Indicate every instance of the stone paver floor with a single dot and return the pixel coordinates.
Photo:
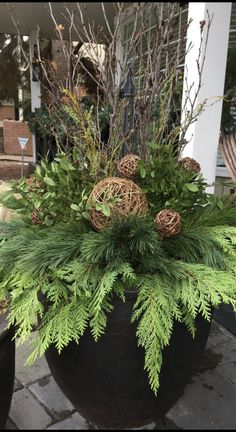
(209, 400)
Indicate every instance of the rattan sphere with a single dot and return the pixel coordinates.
(127, 166)
(168, 222)
(190, 164)
(123, 196)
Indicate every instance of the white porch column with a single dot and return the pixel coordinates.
(204, 134)
(20, 91)
(35, 86)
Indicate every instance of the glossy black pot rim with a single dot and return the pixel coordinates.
(3, 326)
(131, 294)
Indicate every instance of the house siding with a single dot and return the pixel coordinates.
(12, 129)
(7, 112)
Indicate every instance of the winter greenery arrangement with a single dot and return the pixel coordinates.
(93, 224)
(52, 247)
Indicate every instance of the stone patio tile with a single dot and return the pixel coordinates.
(17, 385)
(49, 394)
(228, 370)
(219, 334)
(10, 425)
(27, 413)
(209, 402)
(163, 423)
(225, 352)
(28, 374)
(74, 422)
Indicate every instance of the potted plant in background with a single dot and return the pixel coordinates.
(120, 252)
(7, 345)
(7, 364)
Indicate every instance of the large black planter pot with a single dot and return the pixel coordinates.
(7, 370)
(106, 381)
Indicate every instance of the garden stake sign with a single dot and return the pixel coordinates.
(22, 141)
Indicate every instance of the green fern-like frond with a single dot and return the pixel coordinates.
(62, 325)
(188, 320)
(101, 303)
(205, 287)
(155, 318)
(104, 288)
(225, 236)
(190, 296)
(98, 320)
(55, 290)
(127, 273)
(119, 290)
(25, 305)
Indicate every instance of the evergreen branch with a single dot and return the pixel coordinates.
(188, 320)
(155, 324)
(9, 200)
(195, 245)
(220, 212)
(225, 236)
(99, 303)
(25, 305)
(12, 228)
(205, 287)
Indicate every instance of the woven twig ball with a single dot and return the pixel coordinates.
(127, 166)
(168, 222)
(122, 196)
(190, 164)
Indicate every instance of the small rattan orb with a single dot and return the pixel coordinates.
(127, 166)
(122, 196)
(168, 222)
(190, 164)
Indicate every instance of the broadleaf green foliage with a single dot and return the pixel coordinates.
(168, 185)
(50, 191)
